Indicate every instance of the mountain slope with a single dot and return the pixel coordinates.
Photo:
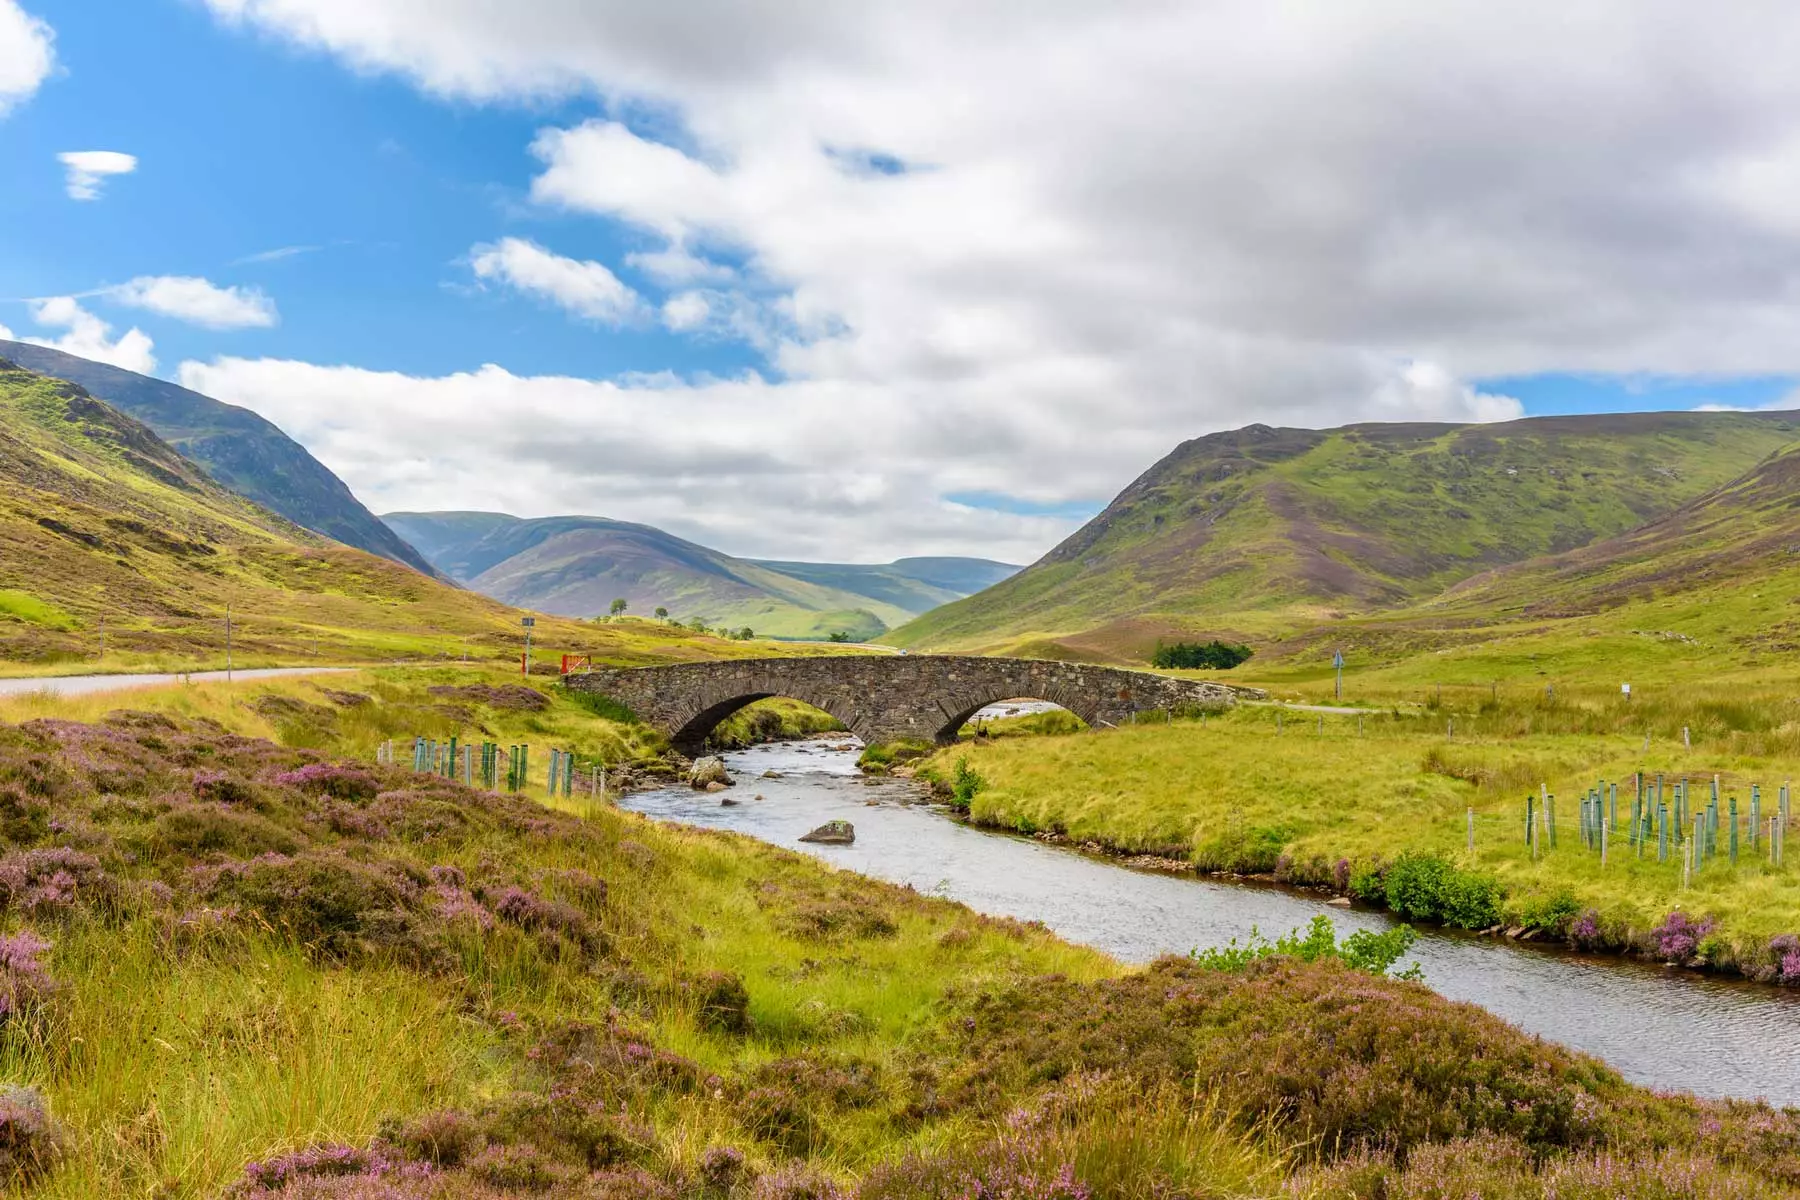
(578, 565)
(109, 537)
(241, 450)
(1261, 529)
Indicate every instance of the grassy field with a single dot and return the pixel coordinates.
(1334, 800)
(231, 964)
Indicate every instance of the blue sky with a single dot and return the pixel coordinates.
(851, 284)
(247, 146)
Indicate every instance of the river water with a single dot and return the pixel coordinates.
(1658, 1026)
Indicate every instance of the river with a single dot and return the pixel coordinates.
(1658, 1026)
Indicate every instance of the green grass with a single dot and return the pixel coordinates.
(1246, 790)
(23, 606)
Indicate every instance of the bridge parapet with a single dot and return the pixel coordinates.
(887, 698)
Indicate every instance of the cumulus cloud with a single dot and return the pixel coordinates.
(1068, 236)
(26, 56)
(88, 170)
(87, 336)
(197, 301)
(583, 287)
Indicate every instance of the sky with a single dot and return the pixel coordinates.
(803, 279)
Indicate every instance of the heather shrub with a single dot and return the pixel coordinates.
(827, 920)
(1332, 1054)
(331, 779)
(531, 912)
(204, 830)
(1678, 937)
(723, 1003)
(721, 1169)
(25, 983)
(797, 1182)
(321, 897)
(832, 1081)
(31, 1142)
(1785, 950)
(1585, 931)
(55, 881)
(780, 1116)
(445, 1139)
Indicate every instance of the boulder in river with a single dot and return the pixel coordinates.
(727, 802)
(715, 786)
(708, 770)
(771, 774)
(832, 833)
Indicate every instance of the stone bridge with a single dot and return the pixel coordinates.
(884, 698)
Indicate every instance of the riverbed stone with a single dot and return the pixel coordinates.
(832, 833)
(1339, 902)
(716, 786)
(707, 771)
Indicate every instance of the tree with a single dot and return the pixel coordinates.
(841, 635)
(619, 606)
(662, 614)
(746, 634)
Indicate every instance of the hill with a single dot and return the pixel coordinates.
(117, 551)
(1261, 530)
(577, 566)
(241, 450)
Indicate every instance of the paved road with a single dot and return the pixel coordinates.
(1336, 710)
(82, 685)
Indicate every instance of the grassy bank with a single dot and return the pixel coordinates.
(233, 965)
(1336, 800)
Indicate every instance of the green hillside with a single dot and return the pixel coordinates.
(238, 448)
(1265, 530)
(115, 551)
(577, 566)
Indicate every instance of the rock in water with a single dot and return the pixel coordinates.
(708, 770)
(832, 833)
(727, 802)
(715, 786)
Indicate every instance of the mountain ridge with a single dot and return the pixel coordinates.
(243, 451)
(1258, 530)
(577, 565)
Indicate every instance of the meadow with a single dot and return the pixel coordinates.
(1436, 779)
(238, 958)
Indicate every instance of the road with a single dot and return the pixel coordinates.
(83, 685)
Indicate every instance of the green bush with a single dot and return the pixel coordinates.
(1549, 913)
(1213, 656)
(1429, 887)
(965, 784)
(1366, 950)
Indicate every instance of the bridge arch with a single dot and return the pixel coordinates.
(882, 698)
(690, 736)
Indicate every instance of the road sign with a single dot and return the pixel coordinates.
(528, 622)
(1337, 660)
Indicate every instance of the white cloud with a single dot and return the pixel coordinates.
(584, 288)
(87, 336)
(87, 170)
(1123, 224)
(685, 311)
(197, 301)
(26, 56)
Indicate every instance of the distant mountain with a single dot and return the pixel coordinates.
(109, 537)
(577, 566)
(1263, 529)
(241, 450)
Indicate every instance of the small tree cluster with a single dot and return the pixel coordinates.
(1212, 656)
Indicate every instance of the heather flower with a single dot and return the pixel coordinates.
(796, 1182)
(721, 1167)
(50, 881)
(1584, 930)
(331, 779)
(454, 906)
(1786, 951)
(530, 911)
(1677, 939)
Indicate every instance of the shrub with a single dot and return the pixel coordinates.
(331, 779)
(30, 1141)
(724, 1003)
(24, 981)
(199, 830)
(1678, 938)
(721, 1167)
(965, 785)
(54, 881)
(781, 1117)
(1429, 887)
(1584, 930)
(1785, 950)
(1551, 913)
(1213, 656)
(1366, 949)
(321, 897)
